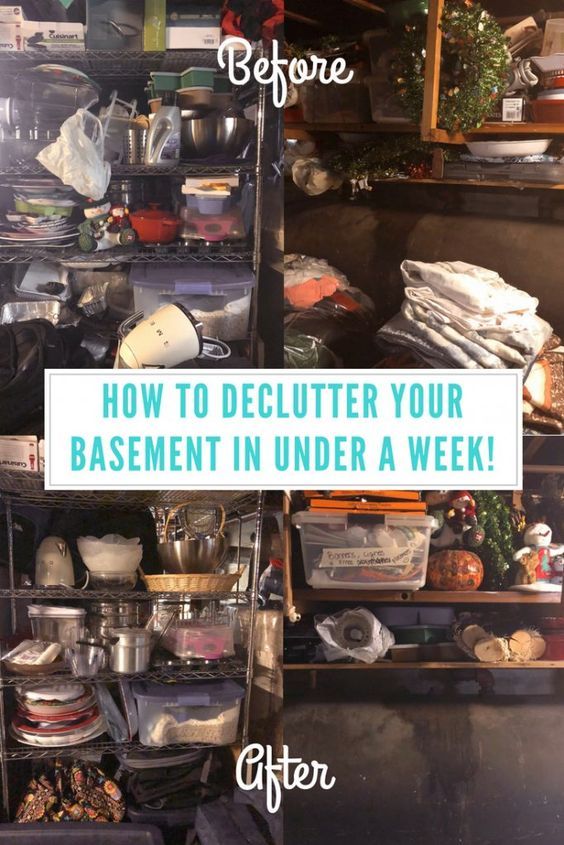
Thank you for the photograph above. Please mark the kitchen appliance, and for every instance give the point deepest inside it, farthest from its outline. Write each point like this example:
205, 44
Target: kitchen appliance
163, 140
132, 651
53, 564
208, 136
167, 338
56, 624
154, 225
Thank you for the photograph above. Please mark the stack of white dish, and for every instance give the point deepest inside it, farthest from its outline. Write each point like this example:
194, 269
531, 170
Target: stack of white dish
112, 561
56, 715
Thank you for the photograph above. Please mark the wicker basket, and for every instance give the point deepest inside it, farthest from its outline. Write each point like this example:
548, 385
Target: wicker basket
201, 583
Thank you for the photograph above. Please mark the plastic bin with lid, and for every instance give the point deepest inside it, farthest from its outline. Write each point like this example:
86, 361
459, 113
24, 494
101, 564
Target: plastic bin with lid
200, 638
81, 833
362, 551
335, 103
206, 712
384, 104
218, 296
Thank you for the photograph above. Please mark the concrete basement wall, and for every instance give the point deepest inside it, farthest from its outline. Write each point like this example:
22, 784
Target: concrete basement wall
440, 767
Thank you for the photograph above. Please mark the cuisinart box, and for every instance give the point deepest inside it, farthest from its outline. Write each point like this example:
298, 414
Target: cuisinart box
195, 28
52, 35
19, 453
11, 14
11, 37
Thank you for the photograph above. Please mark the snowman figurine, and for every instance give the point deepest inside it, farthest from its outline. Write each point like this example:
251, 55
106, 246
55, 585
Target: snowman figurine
105, 227
538, 560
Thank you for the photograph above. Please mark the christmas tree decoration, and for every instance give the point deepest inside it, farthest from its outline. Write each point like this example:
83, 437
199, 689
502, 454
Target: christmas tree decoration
474, 66
496, 553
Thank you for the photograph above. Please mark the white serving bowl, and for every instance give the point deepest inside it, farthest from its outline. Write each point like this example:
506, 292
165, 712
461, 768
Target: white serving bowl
111, 553
495, 149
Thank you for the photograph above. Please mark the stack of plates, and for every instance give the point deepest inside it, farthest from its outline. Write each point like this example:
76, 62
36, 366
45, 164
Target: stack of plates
41, 215
56, 715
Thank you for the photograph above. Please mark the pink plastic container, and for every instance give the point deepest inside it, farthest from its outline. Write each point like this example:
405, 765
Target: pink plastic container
205, 640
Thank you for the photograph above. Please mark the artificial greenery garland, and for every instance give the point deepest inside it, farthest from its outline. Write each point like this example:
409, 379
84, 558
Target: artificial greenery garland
474, 66
496, 553
395, 155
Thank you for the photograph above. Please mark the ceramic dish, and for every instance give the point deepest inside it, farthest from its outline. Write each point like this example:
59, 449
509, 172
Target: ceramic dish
30, 670
501, 149
76, 738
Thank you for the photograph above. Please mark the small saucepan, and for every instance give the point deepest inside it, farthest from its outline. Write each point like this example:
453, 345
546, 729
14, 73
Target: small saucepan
154, 225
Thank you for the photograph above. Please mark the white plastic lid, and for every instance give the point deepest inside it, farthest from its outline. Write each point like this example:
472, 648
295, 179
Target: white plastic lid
48, 610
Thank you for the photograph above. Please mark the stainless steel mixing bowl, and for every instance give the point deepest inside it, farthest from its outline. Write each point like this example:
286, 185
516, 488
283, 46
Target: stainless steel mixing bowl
207, 136
193, 556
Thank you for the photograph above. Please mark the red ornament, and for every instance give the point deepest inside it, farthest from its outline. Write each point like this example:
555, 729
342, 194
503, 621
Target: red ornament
455, 569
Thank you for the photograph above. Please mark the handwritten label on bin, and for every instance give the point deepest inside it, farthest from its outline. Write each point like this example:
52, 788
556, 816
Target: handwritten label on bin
371, 557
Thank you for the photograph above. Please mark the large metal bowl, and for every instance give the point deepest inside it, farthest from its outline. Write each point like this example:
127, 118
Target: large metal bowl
208, 136
194, 556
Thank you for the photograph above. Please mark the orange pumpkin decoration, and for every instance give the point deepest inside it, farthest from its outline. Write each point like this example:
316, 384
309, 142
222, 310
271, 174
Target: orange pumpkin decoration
455, 569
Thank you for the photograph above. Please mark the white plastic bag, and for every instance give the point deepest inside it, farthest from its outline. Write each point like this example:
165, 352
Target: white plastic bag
77, 156
355, 634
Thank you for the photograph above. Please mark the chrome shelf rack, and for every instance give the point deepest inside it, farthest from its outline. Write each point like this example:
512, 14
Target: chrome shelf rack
112, 64
17, 487
174, 253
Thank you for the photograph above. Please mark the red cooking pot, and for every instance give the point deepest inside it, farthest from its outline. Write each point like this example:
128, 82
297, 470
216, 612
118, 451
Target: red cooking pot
155, 226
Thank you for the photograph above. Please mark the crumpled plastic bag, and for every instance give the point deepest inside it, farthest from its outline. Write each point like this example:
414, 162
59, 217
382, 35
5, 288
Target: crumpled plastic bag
77, 156
355, 634
313, 178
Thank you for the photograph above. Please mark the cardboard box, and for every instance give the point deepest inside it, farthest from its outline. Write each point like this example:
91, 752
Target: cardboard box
51, 35
11, 37
41, 455
193, 37
11, 14
19, 453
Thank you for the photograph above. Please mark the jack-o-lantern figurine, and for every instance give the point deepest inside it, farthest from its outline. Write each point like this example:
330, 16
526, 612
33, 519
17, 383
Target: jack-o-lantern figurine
538, 559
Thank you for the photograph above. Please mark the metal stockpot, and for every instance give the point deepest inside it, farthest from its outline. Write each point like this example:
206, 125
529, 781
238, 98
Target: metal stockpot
105, 615
201, 553
132, 652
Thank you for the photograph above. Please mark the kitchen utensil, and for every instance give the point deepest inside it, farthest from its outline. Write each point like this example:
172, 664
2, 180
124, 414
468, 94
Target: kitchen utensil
495, 149
111, 581
16, 312
85, 658
154, 225
167, 338
56, 624
189, 98
213, 135
163, 140
197, 554
53, 564
135, 141
111, 553
105, 615
132, 651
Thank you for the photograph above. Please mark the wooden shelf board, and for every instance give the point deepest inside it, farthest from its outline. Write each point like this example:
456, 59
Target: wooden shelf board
292, 130
502, 129
311, 596
453, 664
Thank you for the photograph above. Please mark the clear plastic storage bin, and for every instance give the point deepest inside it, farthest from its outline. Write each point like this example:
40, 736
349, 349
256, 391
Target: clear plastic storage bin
364, 551
200, 639
205, 713
384, 104
335, 103
218, 296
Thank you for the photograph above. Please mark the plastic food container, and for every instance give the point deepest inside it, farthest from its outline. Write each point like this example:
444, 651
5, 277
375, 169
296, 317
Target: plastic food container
335, 103
219, 297
548, 111
384, 104
197, 77
56, 624
206, 640
364, 551
204, 712
189, 98
163, 81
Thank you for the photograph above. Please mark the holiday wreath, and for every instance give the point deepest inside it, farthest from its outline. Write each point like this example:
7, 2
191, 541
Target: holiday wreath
474, 66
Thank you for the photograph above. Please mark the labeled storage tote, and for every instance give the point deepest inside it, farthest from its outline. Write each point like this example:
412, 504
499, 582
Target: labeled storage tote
205, 713
364, 551
335, 103
217, 296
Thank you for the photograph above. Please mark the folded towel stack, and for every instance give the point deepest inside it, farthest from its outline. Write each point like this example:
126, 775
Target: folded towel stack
459, 315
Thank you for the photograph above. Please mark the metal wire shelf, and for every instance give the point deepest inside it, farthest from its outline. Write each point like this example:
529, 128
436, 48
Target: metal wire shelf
177, 673
24, 752
113, 64
68, 594
29, 487
184, 168
228, 253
